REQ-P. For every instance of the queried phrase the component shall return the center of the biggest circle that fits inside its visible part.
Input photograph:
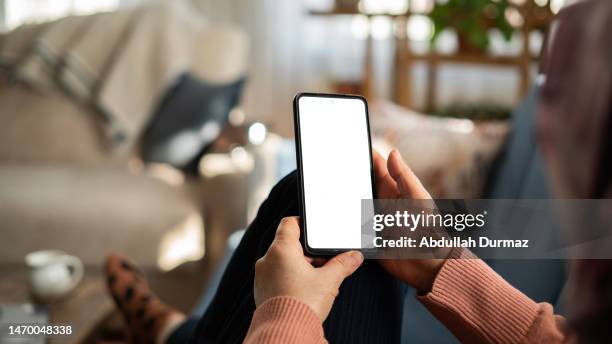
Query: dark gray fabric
(189, 118)
(518, 172)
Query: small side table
(236, 176)
(223, 189)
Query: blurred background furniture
(63, 184)
(523, 17)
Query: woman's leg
(367, 310)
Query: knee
(286, 185)
(284, 195)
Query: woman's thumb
(343, 265)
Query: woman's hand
(394, 179)
(285, 271)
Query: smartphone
(335, 171)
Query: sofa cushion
(49, 127)
(90, 212)
(189, 118)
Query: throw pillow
(189, 118)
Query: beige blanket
(121, 62)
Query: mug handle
(77, 269)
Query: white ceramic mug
(53, 273)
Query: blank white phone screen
(336, 169)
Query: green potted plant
(471, 19)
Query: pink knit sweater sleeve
(468, 297)
(282, 320)
(479, 306)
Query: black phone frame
(298, 152)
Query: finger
(343, 265)
(407, 182)
(386, 187)
(380, 164)
(288, 229)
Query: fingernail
(357, 257)
(399, 156)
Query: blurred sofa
(63, 187)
